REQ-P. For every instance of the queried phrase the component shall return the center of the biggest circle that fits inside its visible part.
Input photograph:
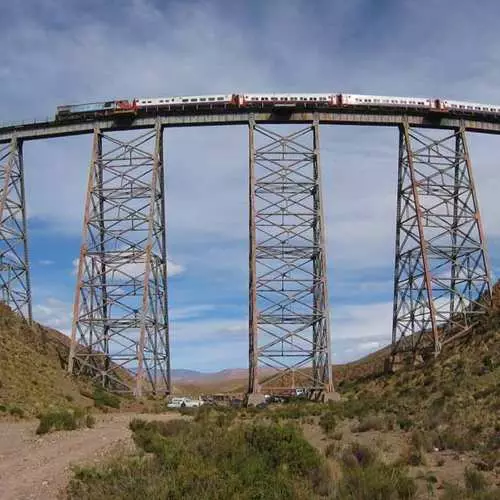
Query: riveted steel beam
(442, 278)
(15, 288)
(288, 297)
(120, 320)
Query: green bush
(375, 481)
(63, 419)
(475, 481)
(103, 399)
(205, 460)
(370, 422)
(15, 411)
(328, 422)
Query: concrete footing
(331, 396)
(255, 399)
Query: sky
(68, 51)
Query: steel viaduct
(120, 334)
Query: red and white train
(258, 101)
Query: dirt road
(38, 467)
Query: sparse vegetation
(204, 460)
(64, 419)
(103, 399)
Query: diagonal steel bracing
(288, 302)
(120, 325)
(15, 287)
(442, 280)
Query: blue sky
(60, 51)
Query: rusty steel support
(289, 325)
(15, 288)
(120, 318)
(442, 279)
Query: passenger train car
(149, 105)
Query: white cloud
(121, 271)
(54, 313)
(197, 47)
(46, 262)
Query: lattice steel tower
(120, 312)
(288, 304)
(15, 287)
(442, 280)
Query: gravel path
(38, 467)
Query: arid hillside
(32, 367)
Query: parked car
(184, 402)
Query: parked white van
(184, 402)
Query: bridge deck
(43, 130)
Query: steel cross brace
(442, 279)
(288, 297)
(15, 288)
(120, 319)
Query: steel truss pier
(15, 287)
(442, 279)
(289, 342)
(120, 326)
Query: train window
(274, 98)
(211, 98)
(220, 98)
(194, 100)
(185, 100)
(202, 99)
(149, 102)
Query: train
(134, 106)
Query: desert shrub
(337, 435)
(422, 440)
(353, 408)
(358, 455)
(376, 481)
(3, 408)
(457, 439)
(203, 460)
(405, 423)
(104, 399)
(191, 412)
(414, 456)
(455, 492)
(328, 422)
(370, 422)
(331, 450)
(64, 419)
(475, 481)
(15, 411)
